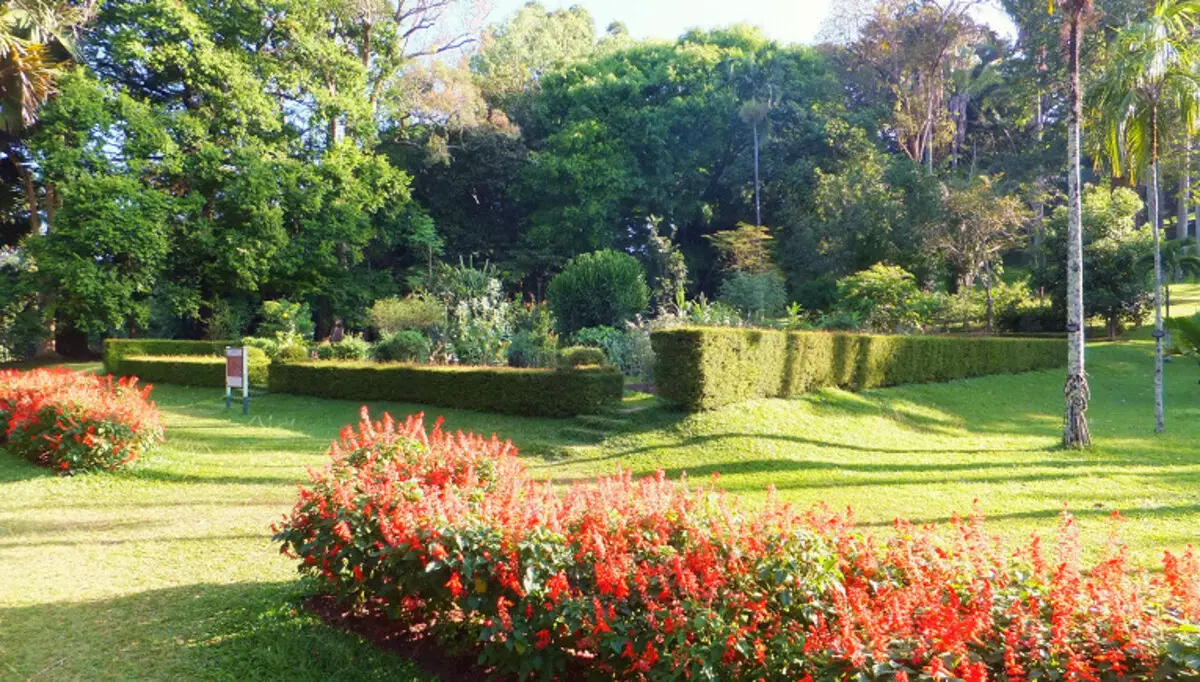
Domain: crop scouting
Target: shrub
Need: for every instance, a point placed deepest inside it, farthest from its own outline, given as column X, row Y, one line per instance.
column 534, row 343
column 281, row 347
column 529, row 349
column 192, row 370
column 758, row 295
column 531, row 392
column 628, row 349
column 72, row 421
column 353, row 347
column 416, row 313
column 649, row 579
column 607, row 339
column 706, row 368
column 284, row 318
column 885, row 298
column 403, row 346
column 604, row 288
column 581, row 356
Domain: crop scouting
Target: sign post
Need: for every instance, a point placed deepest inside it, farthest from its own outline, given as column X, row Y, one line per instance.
column 237, row 375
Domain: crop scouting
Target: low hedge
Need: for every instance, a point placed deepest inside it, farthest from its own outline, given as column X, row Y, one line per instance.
column 191, row 370
column 529, row 392
column 706, row 368
column 117, row 349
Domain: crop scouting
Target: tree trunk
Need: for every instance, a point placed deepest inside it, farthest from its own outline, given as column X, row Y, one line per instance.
column 757, row 198
column 987, row 288
column 1159, row 420
column 1075, row 390
column 1185, row 191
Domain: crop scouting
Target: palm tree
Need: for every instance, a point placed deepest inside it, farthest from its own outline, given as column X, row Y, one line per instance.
column 1075, row 390
column 37, row 42
column 754, row 112
column 1151, row 80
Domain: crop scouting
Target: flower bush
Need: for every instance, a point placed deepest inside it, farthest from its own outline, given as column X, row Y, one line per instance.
column 73, row 421
column 655, row 579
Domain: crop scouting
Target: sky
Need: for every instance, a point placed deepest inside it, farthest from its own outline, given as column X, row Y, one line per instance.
column 789, row 21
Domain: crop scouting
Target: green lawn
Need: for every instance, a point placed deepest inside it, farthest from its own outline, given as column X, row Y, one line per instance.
column 168, row 572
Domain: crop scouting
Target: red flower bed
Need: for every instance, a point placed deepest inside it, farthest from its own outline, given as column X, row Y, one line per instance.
column 72, row 421
column 655, row 579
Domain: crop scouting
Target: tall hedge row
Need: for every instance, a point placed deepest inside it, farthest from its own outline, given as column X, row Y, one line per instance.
column 530, row 392
column 706, row 368
column 191, row 370
column 117, row 349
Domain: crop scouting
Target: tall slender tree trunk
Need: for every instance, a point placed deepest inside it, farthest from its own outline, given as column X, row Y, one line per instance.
column 1185, row 191
column 1159, row 418
column 1075, row 390
column 46, row 346
column 757, row 186
column 987, row 288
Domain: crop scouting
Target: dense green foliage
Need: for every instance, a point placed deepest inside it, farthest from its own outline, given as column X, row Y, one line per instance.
column 416, row 313
column 1115, row 249
column 701, row 369
column 600, row 289
column 530, row 392
column 331, row 164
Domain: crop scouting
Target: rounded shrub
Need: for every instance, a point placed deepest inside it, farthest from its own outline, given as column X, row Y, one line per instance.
column 75, row 421
column 581, row 356
column 603, row 288
column 291, row 352
column 403, row 346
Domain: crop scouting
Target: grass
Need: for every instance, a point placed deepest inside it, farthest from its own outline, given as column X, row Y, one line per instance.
column 167, row 571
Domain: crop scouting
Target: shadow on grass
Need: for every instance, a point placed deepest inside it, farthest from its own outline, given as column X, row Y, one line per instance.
column 14, row 469
column 248, row 631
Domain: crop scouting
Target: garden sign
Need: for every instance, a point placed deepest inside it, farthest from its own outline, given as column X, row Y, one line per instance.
column 237, row 375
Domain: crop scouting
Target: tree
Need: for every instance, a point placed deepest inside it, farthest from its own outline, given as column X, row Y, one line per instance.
column 600, row 289
column 1151, row 79
column 754, row 112
column 646, row 131
column 1114, row 252
column 912, row 47
column 1075, row 427
column 37, row 44
column 979, row 227
column 518, row 52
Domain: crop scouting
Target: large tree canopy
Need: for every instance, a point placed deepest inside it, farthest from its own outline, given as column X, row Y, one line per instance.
column 189, row 159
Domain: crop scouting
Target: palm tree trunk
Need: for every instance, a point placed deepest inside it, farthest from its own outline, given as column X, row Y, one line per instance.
column 1159, row 420
column 1185, row 190
column 1075, row 390
column 757, row 192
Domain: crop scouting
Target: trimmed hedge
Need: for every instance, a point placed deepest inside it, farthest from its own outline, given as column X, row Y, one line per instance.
column 117, row 349
column 191, row 370
column 706, row 368
column 529, row 392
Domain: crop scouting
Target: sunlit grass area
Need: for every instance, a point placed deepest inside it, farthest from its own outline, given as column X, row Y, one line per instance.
column 167, row 571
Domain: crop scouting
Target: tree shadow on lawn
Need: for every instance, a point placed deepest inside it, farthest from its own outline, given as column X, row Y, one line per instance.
column 14, row 469
column 246, row 631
